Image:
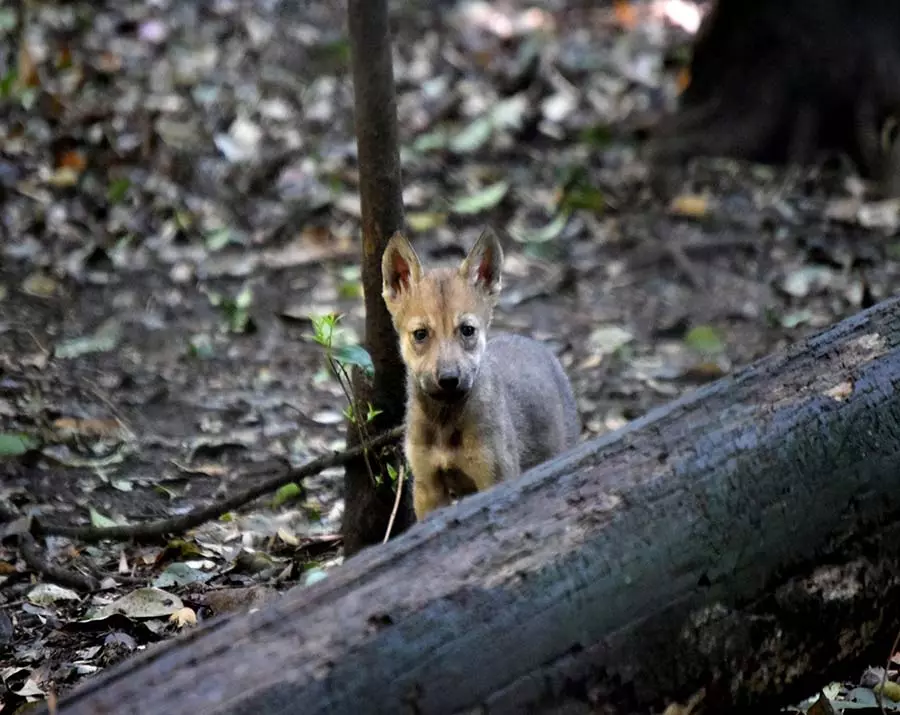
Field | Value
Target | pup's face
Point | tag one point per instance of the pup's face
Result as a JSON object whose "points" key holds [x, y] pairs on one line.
{"points": [[442, 315]]}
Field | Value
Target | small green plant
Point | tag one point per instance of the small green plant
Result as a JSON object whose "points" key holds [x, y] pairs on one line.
{"points": [[8, 84], [392, 474], [235, 310], [339, 358], [117, 190]]}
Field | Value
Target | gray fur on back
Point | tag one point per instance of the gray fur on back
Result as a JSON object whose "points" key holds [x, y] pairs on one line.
{"points": [[530, 385]]}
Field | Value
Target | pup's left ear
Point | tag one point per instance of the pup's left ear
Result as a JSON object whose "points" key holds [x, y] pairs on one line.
{"points": [[400, 268], [483, 265]]}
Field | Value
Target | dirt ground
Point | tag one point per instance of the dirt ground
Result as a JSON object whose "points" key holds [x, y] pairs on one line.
{"points": [[180, 198]]}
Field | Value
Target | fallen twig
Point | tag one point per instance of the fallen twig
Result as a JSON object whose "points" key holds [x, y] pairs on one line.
{"points": [[154, 529], [57, 574], [401, 477], [679, 257]]}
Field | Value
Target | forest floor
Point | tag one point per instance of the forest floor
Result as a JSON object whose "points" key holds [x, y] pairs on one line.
{"points": [[180, 199]]}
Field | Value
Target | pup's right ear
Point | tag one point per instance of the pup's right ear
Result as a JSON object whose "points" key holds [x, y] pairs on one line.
{"points": [[400, 268]]}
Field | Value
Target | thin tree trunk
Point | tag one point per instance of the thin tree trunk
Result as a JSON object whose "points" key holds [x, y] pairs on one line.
{"points": [[368, 506], [740, 544]]}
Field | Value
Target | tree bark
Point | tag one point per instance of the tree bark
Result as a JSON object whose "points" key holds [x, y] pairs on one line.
{"points": [[790, 81], [740, 542], [368, 505]]}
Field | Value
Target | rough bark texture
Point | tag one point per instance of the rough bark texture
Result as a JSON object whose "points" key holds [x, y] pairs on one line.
{"points": [[788, 80], [743, 539], [367, 506]]}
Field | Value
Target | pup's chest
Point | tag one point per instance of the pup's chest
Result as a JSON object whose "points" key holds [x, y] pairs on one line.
{"points": [[453, 453]]}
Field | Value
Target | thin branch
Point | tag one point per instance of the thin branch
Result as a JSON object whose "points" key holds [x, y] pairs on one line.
{"points": [[346, 384], [156, 529], [57, 574], [401, 477], [682, 262]]}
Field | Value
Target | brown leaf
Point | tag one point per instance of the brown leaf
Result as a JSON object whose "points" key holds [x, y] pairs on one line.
{"points": [[625, 14], [28, 73], [68, 427], [822, 706], [108, 63], [64, 57], [71, 159], [689, 205]]}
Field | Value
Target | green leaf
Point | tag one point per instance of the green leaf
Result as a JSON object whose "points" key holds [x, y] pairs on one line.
{"points": [[323, 329], [797, 318], [15, 445], [334, 53], [372, 413], [430, 142], [244, 298], [583, 197], [105, 339], [27, 97], [598, 136], [508, 113], [201, 346], [289, 492], [313, 512], [7, 83], [543, 234], [236, 310], [473, 136], [8, 19], [354, 355], [117, 190], [184, 220], [314, 575], [350, 289], [392, 473], [482, 200], [422, 221], [100, 521], [704, 339], [218, 238]]}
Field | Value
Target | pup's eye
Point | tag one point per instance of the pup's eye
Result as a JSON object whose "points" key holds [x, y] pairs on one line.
{"points": [[420, 334], [467, 331]]}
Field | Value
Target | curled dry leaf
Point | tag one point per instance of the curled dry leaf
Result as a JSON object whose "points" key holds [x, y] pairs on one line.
{"points": [[691, 206], [183, 617]]}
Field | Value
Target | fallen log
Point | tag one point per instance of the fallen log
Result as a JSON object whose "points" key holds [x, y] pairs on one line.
{"points": [[739, 544]]}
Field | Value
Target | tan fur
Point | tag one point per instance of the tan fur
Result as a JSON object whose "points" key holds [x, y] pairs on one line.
{"points": [[495, 425]]}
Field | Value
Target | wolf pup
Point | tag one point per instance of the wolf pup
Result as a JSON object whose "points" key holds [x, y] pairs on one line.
{"points": [[478, 411]]}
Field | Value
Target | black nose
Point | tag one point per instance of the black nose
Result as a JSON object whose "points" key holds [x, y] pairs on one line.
{"points": [[448, 381]]}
